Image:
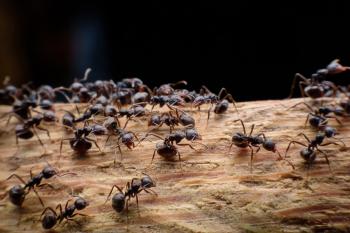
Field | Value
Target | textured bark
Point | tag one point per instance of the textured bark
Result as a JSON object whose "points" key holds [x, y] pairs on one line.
{"points": [[213, 192]]}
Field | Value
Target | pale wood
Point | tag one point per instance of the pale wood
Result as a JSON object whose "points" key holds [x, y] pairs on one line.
{"points": [[214, 191]]}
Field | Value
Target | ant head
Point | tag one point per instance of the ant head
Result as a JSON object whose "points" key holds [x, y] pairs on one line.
{"points": [[315, 121], [147, 182], [49, 172], [80, 203], [330, 131]]}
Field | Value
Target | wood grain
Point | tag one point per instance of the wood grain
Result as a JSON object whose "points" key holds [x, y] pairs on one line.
{"points": [[213, 192]]}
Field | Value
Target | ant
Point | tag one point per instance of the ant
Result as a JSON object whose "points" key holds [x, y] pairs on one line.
{"points": [[167, 89], [80, 93], [18, 193], [126, 137], [51, 217], [80, 143], [167, 149], [119, 201], [170, 120], [244, 140], [221, 100], [309, 152], [165, 118], [27, 129], [318, 118], [313, 87]]}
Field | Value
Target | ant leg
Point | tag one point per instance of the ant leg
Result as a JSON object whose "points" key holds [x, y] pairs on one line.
{"points": [[154, 153], [73, 220], [307, 139], [186, 144], [340, 140], [115, 154], [251, 129], [229, 150], [297, 75], [307, 105], [180, 159], [242, 123], [135, 136], [326, 157], [150, 191], [18, 177], [46, 209], [37, 194], [251, 158], [209, 110], [36, 134], [329, 143], [307, 119], [302, 91], [262, 134], [229, 97], [336, 118], [114, 186], [49, 185], [94, 141], [108, 137], [63, 139], [47, 131], [292, 142]]}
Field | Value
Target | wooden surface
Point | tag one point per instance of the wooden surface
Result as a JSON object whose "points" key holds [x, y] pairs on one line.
{"points": [[214, 191]]}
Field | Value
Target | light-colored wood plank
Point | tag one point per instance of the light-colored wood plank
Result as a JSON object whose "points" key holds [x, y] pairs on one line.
{"points": [[214, 191]]}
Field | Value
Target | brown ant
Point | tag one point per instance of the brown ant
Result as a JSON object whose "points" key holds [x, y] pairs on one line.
{"points": [[244, 140], [18, 193], [120, 201], [51, 218]]}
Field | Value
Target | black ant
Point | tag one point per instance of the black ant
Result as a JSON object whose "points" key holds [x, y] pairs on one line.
{"points": [[221, 100], [244, 140], [125, 137], [167, 89], [80, 143], [167, 149], [27, 129], [313, 87], [165, 118], [309, 152], [171, 120], [120, 201], [51, 217], [80, 93], [18, 193], [318, 118]]}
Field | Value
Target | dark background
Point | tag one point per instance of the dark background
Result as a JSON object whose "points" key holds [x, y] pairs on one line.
{"points": [[252, 49]]}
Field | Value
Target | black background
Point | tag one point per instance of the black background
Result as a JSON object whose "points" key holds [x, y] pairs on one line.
{"points": [[252, 49]]}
